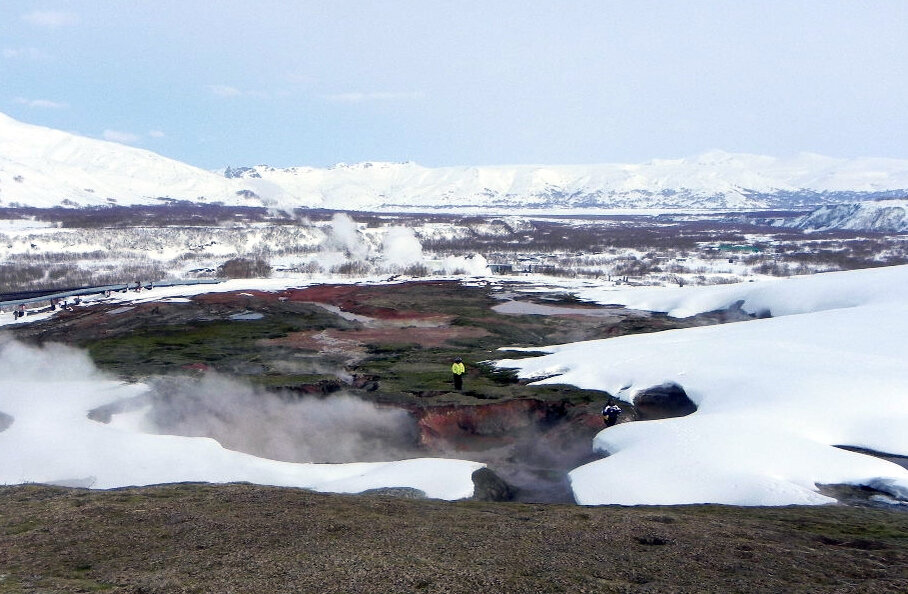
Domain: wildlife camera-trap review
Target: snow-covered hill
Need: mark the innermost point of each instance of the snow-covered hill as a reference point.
(43, 167)
(887, 216)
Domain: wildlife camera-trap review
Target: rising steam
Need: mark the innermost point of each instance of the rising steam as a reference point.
(289, 428)
(400, 247)
(344, 236)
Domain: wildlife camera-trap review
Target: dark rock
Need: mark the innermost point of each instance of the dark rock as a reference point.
(5, 421)
(733, 313)
(488, 486)
(663, 402)
(862, 495)
(652, 540)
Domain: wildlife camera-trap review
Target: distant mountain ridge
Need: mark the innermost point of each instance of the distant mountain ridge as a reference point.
(41, 167)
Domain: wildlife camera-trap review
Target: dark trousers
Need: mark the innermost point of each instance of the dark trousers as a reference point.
(458, 381)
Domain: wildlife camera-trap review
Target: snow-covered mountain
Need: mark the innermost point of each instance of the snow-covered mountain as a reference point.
(43, 167)
(887, 216)
(712, 180)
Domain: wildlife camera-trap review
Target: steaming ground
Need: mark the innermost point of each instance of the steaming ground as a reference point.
(340, 429)
(64, 422)
(335, 429)
(53, 400)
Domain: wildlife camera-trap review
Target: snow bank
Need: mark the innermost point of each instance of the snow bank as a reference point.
(782, 297)
(774, 395)
(49, 392)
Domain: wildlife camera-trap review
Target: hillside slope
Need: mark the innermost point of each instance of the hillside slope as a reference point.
(41, 167)
(884, 216)
(244, 538)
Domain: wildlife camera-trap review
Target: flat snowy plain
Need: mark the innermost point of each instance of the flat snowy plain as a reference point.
(775, 396)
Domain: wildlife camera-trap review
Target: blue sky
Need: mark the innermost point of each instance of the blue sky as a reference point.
(462, 82)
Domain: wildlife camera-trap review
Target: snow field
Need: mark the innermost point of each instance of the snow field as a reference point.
(774, 395)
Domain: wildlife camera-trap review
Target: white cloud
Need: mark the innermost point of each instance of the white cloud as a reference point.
(360, 97)
(156, 134)
(51, 18)
(225, 90)
(23, 53)
(42, 103)
(229, 91)
(121, 137)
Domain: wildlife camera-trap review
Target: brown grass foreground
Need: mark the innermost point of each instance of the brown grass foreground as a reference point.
(245, 538)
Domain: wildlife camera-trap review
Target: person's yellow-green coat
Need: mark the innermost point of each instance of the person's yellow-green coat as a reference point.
(458, 369)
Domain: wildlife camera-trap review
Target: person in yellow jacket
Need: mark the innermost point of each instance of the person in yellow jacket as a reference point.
(458, 370)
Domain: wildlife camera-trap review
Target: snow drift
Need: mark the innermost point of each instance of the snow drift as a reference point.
(774, 395)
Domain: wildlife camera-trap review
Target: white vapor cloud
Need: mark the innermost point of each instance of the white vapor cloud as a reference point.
(400, 247)
(42, 103)
(344, 235)
(156, 133)
(121, 137)
(335, 429)
(51, 18)
(360, 97)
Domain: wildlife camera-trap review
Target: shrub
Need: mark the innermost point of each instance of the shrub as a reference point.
(416, 270)
(352, 268)
(244, 268)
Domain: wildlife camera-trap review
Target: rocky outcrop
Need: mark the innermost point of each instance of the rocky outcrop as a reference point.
(499, 423)
(488, 486)
(399, 492)
(662, 402)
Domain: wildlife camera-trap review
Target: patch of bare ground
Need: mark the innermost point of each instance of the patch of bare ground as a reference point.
(244, 538)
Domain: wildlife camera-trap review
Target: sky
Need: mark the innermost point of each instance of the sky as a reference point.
(448, 83)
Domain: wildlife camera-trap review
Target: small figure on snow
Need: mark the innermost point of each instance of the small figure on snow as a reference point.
(610, 413)
(458, 370)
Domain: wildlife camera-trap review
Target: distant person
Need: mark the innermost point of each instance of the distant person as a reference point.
(458, 370)
(610, 413)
